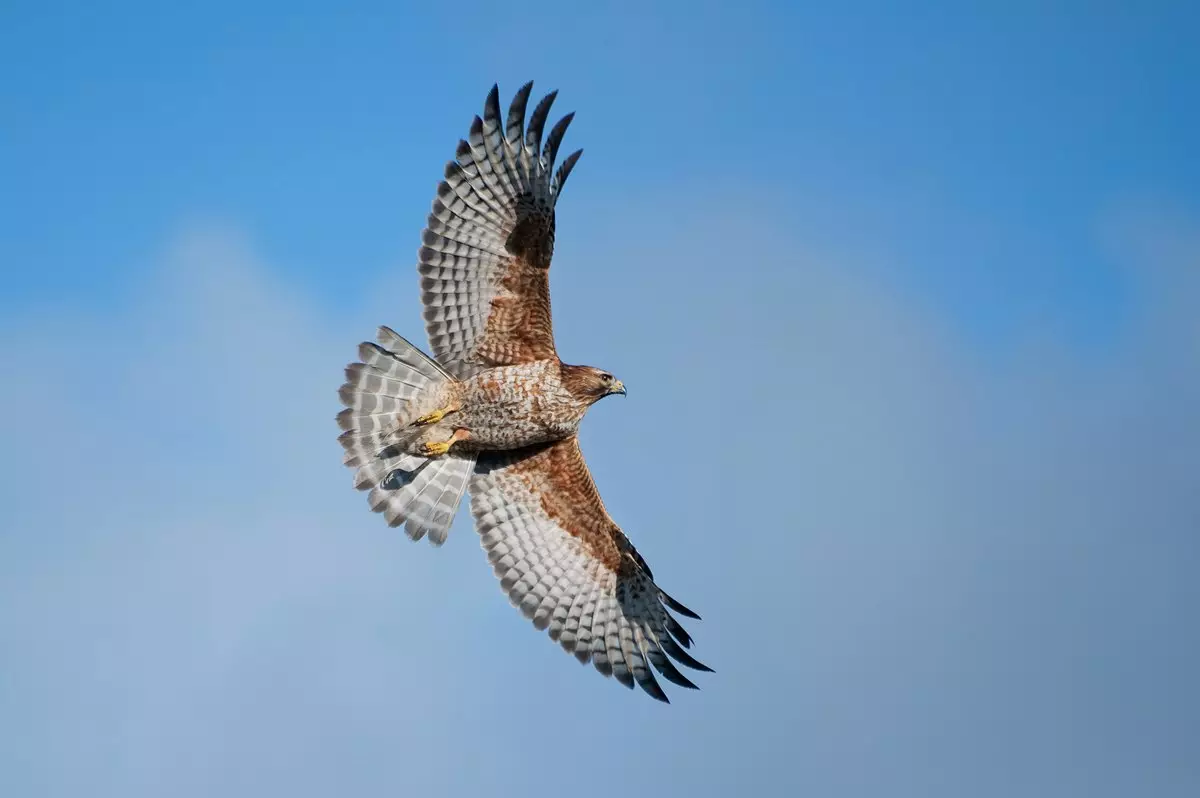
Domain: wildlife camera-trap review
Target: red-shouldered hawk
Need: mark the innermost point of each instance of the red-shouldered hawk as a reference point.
(497, 411)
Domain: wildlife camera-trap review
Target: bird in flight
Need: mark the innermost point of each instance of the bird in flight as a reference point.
(496, 412)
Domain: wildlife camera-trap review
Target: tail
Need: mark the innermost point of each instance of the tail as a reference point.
(394, 385)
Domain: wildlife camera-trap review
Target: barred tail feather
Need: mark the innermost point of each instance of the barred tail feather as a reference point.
(393, 385)
(423, 499)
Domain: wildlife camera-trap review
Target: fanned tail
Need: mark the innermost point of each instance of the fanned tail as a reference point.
(394, 384)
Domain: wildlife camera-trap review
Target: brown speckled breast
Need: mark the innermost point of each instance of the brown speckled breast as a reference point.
(513, 406)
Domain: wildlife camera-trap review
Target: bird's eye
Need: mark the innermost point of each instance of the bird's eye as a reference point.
(606, 377)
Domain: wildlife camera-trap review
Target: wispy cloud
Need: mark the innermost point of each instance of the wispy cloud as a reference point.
(973, 572)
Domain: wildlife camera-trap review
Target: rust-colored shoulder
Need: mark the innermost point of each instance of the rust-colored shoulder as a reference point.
(558, 476)
(519, 327)
(568, 568)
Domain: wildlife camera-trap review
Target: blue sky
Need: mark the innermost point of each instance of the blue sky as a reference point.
(905, 303)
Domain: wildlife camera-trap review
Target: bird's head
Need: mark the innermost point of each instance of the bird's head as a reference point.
(591, 384)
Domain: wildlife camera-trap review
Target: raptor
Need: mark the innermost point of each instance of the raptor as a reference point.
(496, 412)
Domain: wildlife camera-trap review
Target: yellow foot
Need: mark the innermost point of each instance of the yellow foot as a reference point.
(435, 448)
(430, 418)
(438, 448)
(435, 416)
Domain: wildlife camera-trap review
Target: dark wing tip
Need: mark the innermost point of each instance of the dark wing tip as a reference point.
(673, 649)
(564, 171)
(644, 676)
(491, 106)
(678, 678)
(454, 170)
(515, 128)
(537, 122)
(651, 688)
(668, 670)
(550, 151)
(678, 632)
(675, 605)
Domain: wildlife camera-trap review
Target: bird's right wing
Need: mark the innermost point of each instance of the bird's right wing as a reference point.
(569, 568)
(486, 250)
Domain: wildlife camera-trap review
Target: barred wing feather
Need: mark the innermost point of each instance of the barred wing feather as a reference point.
(486, 248)
(569, 568)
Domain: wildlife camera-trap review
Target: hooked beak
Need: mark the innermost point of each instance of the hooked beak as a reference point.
(617, 387)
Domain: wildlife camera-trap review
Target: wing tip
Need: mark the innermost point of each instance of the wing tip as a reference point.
(677, 606)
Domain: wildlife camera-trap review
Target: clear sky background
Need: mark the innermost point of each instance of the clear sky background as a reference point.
(908, 304)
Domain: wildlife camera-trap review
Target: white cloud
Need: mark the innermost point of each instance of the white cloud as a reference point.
(962, 571)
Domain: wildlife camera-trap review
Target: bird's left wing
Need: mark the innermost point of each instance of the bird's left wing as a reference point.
(487, 246)
(569, 568)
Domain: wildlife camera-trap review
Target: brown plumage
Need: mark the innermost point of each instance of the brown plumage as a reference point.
(497, 411)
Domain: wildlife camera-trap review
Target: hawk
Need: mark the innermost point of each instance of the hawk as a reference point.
(496, 412)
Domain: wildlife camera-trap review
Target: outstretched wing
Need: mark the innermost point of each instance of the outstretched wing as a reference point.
(486, 251)
(570, 569)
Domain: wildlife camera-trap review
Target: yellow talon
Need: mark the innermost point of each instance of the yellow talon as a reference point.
(432, 418)
(435, 448)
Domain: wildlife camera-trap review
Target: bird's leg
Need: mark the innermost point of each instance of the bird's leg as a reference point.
(435, 448)
(437, 415)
